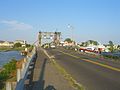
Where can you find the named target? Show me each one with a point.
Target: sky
(80, 20)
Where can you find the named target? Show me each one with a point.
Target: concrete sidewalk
(46, 76)
(54, 79)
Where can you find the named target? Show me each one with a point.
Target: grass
(11, 49)
(8, 73)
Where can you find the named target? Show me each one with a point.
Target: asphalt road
(92, 75)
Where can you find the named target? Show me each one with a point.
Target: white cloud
(15, 25)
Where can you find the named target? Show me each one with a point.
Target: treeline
(16, 46)
(20, 45)
(7, 72)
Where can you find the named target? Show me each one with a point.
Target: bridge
(36, 71)
(64, 69)
(48, 37)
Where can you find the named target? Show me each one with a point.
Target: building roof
(2, 41)
(6, 41)
(19, 40)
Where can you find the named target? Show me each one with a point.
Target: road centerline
(93, 62)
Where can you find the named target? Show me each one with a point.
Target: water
(7, 56)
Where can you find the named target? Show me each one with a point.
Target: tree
(82, 44)
(118, 47)
(28, 45)
(17, 45)
(95, 43)
(90, 41)
(111, 46)
(68, 40)
(111, 43)
(87, 43)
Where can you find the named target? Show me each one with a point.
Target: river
(7, 56)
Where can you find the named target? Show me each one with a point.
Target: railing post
(8, 86)
(18, 74)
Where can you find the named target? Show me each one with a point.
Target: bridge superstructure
(48, 37)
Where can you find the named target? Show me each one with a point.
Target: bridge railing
(22, 72)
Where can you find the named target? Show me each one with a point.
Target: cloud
(15, 25)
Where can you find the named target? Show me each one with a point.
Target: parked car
(52, 46)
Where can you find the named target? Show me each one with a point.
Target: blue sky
(91, 19)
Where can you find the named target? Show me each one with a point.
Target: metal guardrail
(26, 72)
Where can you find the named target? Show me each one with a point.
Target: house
(1, 43)
(6, 44)
(22, 42)
(69, 44)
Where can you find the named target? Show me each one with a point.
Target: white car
(52, 46)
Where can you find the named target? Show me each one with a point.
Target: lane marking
(67, 76)
(87, 60)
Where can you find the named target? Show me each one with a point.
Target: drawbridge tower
(49, 37)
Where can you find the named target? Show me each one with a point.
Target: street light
(71, 29)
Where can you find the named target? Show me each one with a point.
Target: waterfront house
(6, 44)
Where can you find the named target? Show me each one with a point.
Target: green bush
(5, 73)
(17, 45)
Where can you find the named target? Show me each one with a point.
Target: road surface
(46, 76)
(92, 73)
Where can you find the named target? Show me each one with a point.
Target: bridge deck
(46, 76)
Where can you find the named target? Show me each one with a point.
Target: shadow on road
(39, 85)
(50, 87)
(41, 79)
